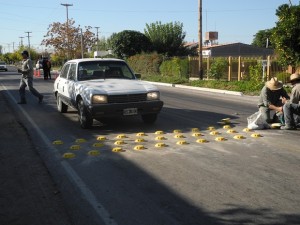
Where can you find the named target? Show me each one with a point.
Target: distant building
(233, 49)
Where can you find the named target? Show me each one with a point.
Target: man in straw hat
(291, 108)
(270, 99)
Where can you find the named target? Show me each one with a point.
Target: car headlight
(99, 99)
(153, 95)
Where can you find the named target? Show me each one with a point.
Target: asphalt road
(235, 181)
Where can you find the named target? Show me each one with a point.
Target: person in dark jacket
(46, 68)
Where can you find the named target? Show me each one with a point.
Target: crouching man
(291, 108)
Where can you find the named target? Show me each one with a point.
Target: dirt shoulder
(28, 195)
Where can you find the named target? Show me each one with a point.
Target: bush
(283, 76)
(175, 67)
(218, 68)
(145, 63)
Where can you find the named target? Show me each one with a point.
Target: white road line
(86, 192)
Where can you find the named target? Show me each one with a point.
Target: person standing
(27, 79)
(270, 99)
(291, 108)
(46, 68)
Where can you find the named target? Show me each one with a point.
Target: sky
(234, 20)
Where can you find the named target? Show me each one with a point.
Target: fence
(238, 67)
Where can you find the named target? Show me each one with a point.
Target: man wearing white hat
(270, 98)
(291, 108)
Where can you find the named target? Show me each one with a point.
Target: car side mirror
(138, 75)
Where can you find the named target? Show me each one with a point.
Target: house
(232, 49)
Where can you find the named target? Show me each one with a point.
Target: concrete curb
(199, 88)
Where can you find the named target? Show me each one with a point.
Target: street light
(68, 45)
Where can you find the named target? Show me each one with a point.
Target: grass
(246, 87)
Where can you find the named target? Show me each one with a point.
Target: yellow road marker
(220, 139)
(57, 142)
(94, 153)
(80, 140)
(69, 155)
(159, 132)
(75, 147)
(98, 144)
(201, 140)
(139, 147)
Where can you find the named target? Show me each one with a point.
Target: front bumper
(117, 109)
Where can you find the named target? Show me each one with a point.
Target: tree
(166, 38)
(285, 37)
(66, 40)
(128, 43)
(262, 39)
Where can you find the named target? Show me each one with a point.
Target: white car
(3, 66)
(103, 88)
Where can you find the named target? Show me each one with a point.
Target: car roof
(95, 59)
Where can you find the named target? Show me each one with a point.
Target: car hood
(117, 86)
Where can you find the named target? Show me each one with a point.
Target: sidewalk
(28, 195)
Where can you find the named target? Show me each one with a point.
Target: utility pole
(81, 40)
(68, 43)
(97, 39)
(200, 40)
(28, 32)
(21, 43)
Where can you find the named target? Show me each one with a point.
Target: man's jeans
(23, 84)
(291, 114)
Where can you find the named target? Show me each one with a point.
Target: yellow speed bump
(80, 140)
(214, 133)
(247, 130)
(75, 147)
(140, 140)
(211, 128)
(177, 131)
(139, 147)
(140, 134)
(226, 126)
(118, 149)
(238, 137)
(160, 138)
(98, 144)
(179, 136)
(226, 120)
(121, 136)
(160, 145)
(201, 140)
(120, 142)
(220, 139)
(256, 135)
(194, 130)
(231, 131)
(182, 142)
(57, 142)
(159, 132)
(101, 138)
(197, 134)
(94, 153)
(69, 155)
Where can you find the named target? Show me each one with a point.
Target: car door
(60, 83)
(69, 87)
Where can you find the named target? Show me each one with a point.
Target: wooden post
(239, 69)
(207, 67)
(268, 67)
(229, 68)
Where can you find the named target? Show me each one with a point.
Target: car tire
(84, 117)
(149, 118)
(61, 107)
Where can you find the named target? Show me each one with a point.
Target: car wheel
(61, 107)
(85, 118)
(149, 118)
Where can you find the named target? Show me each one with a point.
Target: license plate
(130, 111)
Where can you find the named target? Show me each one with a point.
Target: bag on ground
(257, 122)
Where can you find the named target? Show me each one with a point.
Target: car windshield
(104, 70)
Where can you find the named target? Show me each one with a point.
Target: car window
(72, 72)
(104, 70)
(64, 71)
